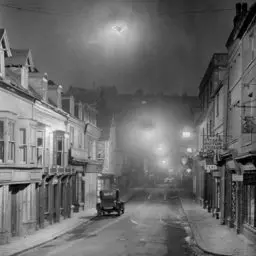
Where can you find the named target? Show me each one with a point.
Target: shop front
(248, 191)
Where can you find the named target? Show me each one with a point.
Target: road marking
(134, 222)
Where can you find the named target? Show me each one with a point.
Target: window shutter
(66, 148)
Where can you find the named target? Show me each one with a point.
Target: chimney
(238, 14)
(24, 77)
(44, 85)
(72, 106)
(244, 8)
(2, 63)
(238, 9)
(59, 96)
(80, 110)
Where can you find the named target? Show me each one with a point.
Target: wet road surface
(153, 224)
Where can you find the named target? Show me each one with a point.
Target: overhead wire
(40, 10)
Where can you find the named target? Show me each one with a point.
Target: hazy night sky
(155, 53)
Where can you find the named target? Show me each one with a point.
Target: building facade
(210, 128)
(48, 158)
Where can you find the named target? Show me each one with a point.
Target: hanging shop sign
(212, 143)
(236, 177)
(216, 174)
(211, 167)
(248, 167)
(248, 124)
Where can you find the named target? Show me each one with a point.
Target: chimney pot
(244, 8)
(238, 9)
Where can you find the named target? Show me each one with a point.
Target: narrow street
(153, 224)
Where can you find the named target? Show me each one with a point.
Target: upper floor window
(32, 145)
(23, 145)
(60, 148)
(80, 140)
(2, 144)
(60, 151)
(72, 135)
(217, 104)
(11, 141)
(39, 147)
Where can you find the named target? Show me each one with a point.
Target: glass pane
(46, 198)
(59, 144)
(22, 136)
(23, 154)
(1, 151)
(59, 158)
(39, 138)
(11, 151)
(1, 130)
(11, 131)
(39, 156)
(252, 207)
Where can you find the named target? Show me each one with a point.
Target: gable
(4, 43)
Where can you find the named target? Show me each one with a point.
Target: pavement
(153, 224)
(211, 236)
(22, 244)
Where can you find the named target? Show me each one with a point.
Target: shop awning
(246, 157)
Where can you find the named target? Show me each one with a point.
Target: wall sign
(236, 177)
(213, 143)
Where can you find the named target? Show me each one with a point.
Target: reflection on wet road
(153, 224)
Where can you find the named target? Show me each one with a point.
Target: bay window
(23, 145)
(7, 140)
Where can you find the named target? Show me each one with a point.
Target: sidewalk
(42, 236)
(212, 237)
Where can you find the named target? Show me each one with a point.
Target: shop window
(62, 194)
(11, 141)
(46, 197)
(39, 147)
(23, 145)
(250, 218)
(82, 190)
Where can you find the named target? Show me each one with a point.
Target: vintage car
(109, 202)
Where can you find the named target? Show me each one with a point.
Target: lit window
(60, 160)
(32, 145)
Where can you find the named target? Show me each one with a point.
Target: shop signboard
(212, 143)
(236, 177)
(211, 167)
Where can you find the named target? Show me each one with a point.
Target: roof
(83, 95)
(2, 30)
(19, 57)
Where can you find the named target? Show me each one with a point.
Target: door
(16, 203)
(14, 210)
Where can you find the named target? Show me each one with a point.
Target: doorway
(16, 208)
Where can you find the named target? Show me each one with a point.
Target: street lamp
(189, 150)
(186, 134)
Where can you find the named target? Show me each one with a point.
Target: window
(60, 151)
(1, 141)
(72, 135)
(23, 145)
(11, 141)
(250, 193)
(252, 45)
(217, 104)
(46, 197)
(32, 145)
(39, 147)
(80, 140)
